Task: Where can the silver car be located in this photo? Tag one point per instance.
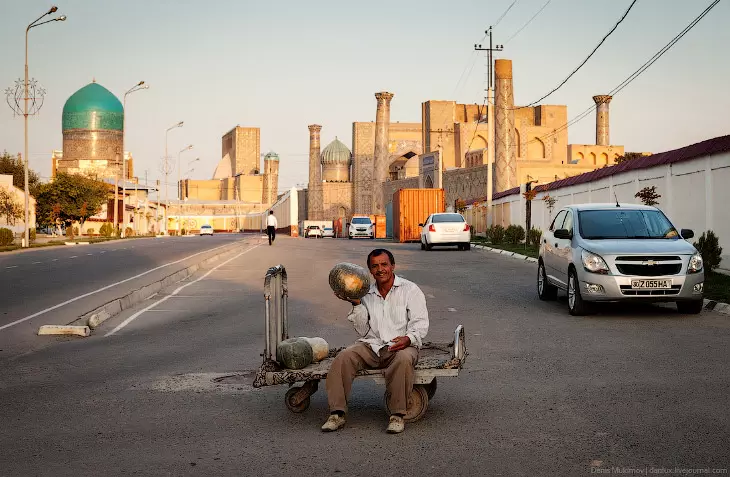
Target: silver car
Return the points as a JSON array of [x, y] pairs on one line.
[[619, 252]]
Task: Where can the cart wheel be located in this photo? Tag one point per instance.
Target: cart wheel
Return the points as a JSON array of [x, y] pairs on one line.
[[290, 400], [431, 388], [417, 404]]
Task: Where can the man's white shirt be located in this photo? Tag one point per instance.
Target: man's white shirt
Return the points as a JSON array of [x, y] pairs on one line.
[[271, 220], [402, 312]]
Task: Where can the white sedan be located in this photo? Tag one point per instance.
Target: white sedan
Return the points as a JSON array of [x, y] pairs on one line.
[[445, 228], [206, 230]]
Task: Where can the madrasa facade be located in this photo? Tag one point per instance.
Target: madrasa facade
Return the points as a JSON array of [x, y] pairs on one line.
[[449, 149]]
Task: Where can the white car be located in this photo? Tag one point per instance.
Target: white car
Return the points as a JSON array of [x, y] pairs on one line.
[[361, 226], [206, 230], [328, 232], [446, 228], [313, 231]]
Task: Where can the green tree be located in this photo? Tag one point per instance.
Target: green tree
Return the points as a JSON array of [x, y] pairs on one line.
[[70, 198], [10, 208], [628, 157], [648, 195], [14, 165]]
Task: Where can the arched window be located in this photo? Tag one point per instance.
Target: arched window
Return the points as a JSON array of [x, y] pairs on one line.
[[593, 159], [604, 158], [518, 145], [535, 149], [429, 182]]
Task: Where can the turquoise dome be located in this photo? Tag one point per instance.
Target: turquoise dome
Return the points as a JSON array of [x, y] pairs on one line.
[[93, 107], [271, 156], [336, 153]]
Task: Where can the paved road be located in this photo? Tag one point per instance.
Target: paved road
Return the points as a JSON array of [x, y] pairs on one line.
[[38, 280], [543, 393]]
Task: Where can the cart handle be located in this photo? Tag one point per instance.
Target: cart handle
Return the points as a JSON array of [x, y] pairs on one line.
[[271, 273], [459, 343]]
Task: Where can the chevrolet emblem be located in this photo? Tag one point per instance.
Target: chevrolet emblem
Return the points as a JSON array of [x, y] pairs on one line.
[[649, 262]]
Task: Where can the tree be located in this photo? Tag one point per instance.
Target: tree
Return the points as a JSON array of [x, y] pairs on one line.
[[14, 165], [648, 195], [628, 157], [70, 198], [10, 208], [549, 203]]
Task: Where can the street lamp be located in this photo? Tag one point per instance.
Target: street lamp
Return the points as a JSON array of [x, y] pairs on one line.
[[187, 177], [166, 167], [179, 187], [62, 18], [138, 87]]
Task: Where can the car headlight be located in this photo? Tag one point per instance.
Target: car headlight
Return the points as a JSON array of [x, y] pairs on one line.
[[695, 263], [594, 263]]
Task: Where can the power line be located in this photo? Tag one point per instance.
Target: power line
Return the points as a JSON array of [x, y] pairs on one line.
[[588, 57], [528, 22], [505, 13]]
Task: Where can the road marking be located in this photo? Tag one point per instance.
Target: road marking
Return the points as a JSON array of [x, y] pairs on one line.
[[35, 263], [177, 290], [54, 260], [452, 309], [92, 253], [75, 256], [103, 251], [12, 266], [106, 287]]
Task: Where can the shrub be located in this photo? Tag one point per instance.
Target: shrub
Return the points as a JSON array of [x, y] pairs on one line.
[[70, 232], [106, 229], [534, 236], [183, 232], [128, 232], [709, 246], [6, 237], [496, 234], [76, 231], [32, 235], [514, 234], [90, 232], [173, 233]]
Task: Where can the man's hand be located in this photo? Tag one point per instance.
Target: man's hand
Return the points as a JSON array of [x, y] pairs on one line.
[[344, 298], [399, 343]]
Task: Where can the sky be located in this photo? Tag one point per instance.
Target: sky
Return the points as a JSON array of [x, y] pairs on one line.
[[281, 66]]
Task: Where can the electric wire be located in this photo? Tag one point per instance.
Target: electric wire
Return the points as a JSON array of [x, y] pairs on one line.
[[528, 22]]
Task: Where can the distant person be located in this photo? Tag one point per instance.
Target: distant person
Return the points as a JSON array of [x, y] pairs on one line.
[[271, 226]]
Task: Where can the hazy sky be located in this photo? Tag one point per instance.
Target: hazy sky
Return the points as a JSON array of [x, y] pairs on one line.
[[283, 65]]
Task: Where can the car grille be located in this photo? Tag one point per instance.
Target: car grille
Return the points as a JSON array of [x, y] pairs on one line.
[[644, 258], [627, 290], [657, 270]]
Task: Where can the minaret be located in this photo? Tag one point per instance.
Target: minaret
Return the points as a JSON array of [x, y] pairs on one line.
[[602, 129], [504, 124], [380, 167], [314, 195], [271, 178]]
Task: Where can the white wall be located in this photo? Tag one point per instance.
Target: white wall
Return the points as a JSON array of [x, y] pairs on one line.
[[695, 194]]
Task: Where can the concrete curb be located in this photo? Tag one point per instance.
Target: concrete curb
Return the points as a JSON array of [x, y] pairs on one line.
[[99, 315], [76, 243], [64, 330], [710, 305]]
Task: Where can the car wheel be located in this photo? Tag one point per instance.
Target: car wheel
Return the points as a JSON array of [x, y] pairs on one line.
[[693, 307], [466, 246], [576, 305], [545, 290], [423, 247], [350, 237]]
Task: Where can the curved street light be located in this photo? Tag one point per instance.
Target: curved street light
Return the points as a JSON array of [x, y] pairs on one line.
[[138, 87], [179, 185], [167, 169]]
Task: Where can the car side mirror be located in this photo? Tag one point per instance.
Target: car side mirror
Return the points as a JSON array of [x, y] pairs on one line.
[[563, 234], [687, 233]]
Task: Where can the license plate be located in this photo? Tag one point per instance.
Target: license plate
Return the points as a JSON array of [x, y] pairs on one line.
[[451, 230], [651, 284]]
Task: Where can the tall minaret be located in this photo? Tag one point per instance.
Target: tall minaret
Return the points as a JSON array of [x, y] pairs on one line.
[[505, 152], [314, 195], [271, 178], [380, 167], [602, 129]]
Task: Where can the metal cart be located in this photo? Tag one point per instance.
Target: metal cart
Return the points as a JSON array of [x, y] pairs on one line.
[[435, 359]]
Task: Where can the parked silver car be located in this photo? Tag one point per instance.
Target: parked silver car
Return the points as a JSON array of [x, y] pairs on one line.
[[619, 252]]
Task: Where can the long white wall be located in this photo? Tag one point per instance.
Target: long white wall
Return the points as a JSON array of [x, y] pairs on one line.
[[286, 211], [695, 194]]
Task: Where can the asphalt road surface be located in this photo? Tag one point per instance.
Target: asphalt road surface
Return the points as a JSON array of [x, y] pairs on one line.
[[542, 393]]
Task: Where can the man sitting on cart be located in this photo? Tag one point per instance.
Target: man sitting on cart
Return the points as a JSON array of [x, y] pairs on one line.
[[392, 320]]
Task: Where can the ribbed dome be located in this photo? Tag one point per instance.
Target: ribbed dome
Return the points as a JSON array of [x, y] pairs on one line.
[[93, 107], [271, 156], [336, 153]]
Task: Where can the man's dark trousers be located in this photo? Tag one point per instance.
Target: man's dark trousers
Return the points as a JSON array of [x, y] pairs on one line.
[[271, 232]]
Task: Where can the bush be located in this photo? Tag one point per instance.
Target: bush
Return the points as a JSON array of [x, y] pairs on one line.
[[6, 237], [90, 232], [70, 232], [106, 229], [173, 233], [709, 246], [496, 234], [183, 232], [76, 231], [32, 235], [128, 232], [534, 236], [514, 234]]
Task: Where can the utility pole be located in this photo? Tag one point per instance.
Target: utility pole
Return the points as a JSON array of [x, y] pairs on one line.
[[489, 100]]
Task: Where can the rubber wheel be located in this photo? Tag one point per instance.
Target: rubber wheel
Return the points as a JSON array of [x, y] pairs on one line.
[[428, 246], [693, 307], [467, 246], [423, 247], [545, 290], [289, 400], [576, 305], [431, 389], [350, 237], [417, 404]]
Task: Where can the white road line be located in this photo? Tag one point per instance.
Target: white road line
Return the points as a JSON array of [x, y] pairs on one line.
[[177, 290], [35, 263], [103, 251], [12, 266], [91, 253], [54, 260], [106, 287], [74, 256]]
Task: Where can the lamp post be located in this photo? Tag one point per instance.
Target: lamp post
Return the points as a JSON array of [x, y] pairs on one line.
[[187, 177], [179, 188], [54, 9], [139, 86], [166, 170]]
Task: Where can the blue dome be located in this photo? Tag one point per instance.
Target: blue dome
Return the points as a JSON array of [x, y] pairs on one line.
[[271, 156], [336, 153], [93, 107]]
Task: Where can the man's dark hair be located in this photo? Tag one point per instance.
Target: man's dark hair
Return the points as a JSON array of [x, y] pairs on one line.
[[271, 212], [380, 251]]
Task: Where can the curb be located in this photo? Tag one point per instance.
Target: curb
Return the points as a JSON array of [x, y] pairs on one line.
[[710, 305], [64, 330], [99, 315]]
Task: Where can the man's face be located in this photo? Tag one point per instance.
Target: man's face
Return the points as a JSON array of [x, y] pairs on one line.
[[381, 268]]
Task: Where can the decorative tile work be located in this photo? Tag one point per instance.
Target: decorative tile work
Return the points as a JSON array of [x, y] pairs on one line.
[[94, 120]]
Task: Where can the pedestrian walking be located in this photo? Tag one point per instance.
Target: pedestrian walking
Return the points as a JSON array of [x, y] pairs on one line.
[[271, 226]]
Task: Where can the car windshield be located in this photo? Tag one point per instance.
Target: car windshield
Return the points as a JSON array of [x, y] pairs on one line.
[[326, 228], [441, 218], [361, 221], [311, 226], [625, 224]]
